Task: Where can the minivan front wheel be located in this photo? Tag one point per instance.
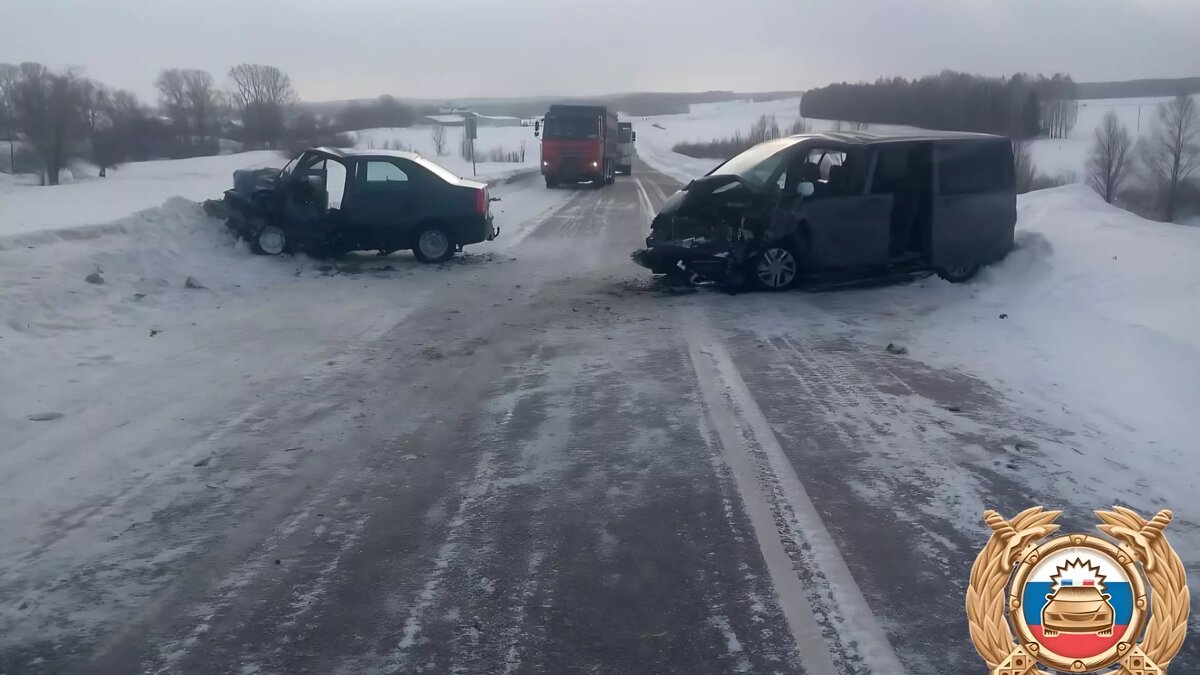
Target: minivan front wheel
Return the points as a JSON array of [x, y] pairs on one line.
[[958, 274], [775, 269], [433, 245]]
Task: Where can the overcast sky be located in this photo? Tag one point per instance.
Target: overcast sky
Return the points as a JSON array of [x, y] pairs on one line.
[[335, 49]]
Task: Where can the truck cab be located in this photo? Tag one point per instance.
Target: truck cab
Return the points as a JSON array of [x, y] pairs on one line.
[[579, 144]]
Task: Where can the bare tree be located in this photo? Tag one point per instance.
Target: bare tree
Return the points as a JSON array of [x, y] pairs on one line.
[[1059, 116], [1171, 153], [1108, 163], [438, 134], [261, 93], [9, 75], [173, 98], [47, 110], [202, 99], [1023, 167]]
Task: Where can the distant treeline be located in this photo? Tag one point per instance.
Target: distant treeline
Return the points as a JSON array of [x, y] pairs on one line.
[[1021, 106], [1139, 88], [637, 104]]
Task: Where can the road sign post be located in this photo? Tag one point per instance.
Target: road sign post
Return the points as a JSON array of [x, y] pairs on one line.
[[472, 132]]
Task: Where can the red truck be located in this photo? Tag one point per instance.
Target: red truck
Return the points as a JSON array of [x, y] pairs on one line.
[[579, 143]]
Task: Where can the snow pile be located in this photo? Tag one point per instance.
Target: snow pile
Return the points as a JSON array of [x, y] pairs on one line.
[[1102, 311], [128, 189], [420, 139], [110, 275]]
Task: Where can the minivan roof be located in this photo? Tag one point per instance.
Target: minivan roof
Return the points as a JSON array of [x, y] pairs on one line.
[[869, 137]]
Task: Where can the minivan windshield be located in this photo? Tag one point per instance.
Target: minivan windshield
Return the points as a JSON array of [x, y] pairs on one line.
[[756, 165]]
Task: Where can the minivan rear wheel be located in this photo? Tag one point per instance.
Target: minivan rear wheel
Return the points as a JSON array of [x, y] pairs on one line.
[[958, 274], [775, 269]]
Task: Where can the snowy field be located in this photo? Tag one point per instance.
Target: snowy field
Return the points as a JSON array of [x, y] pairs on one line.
[[1067, 157], [1060, 158]]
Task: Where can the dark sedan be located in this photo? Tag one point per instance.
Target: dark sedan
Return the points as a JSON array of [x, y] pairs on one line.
[[331, 201]]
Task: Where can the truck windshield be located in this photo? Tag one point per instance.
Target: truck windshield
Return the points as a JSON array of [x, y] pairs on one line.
[[756, 165], [568, 128]]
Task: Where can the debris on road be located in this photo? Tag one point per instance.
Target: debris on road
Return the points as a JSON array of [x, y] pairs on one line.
[[192, 283], [154, 331], [203, 462], [896, 349], [45, 416], [1003, 316], [94, 278]]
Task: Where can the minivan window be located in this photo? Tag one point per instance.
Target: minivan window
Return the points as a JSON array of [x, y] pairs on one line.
[[966, 168]]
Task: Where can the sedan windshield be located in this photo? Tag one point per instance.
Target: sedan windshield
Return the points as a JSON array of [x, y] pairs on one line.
[[756, 165]]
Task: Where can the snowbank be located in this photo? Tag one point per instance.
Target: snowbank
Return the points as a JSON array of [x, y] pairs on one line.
[[1092, 322], [1102, 308]]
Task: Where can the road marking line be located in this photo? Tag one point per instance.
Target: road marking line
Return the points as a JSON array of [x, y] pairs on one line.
[[644, 198], [733, 411]]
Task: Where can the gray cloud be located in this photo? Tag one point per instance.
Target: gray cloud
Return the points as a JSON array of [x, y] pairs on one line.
[[439, 48]]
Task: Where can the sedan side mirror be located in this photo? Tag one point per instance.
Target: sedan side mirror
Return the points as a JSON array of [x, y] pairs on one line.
[[806, 189]]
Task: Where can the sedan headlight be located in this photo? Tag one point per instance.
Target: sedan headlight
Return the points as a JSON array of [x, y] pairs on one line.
[[595, 164]]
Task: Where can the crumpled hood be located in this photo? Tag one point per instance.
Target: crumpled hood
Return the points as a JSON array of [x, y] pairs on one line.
[[249, 181]]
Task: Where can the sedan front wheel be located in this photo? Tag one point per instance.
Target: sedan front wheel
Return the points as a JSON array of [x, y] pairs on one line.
[[269, 240]]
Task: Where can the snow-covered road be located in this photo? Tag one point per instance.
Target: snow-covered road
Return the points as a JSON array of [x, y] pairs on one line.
[[534, 458]]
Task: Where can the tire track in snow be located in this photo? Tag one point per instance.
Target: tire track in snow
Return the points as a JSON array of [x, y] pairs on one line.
[[768, 484], [475, 489]]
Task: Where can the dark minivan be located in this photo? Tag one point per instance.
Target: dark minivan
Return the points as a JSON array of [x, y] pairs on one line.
[[330, 201], [853, 204]]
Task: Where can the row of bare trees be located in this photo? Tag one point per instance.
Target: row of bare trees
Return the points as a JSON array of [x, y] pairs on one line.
[[58, 116], [1166, 159]]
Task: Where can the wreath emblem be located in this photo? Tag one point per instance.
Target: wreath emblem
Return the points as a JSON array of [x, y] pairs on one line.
[[1078, 603]]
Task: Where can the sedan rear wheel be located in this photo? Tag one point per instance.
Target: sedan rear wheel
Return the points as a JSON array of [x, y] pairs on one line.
[[775, 269], [434, 245]]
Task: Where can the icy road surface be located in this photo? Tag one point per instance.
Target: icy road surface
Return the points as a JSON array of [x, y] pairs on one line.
[[530, 460]]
